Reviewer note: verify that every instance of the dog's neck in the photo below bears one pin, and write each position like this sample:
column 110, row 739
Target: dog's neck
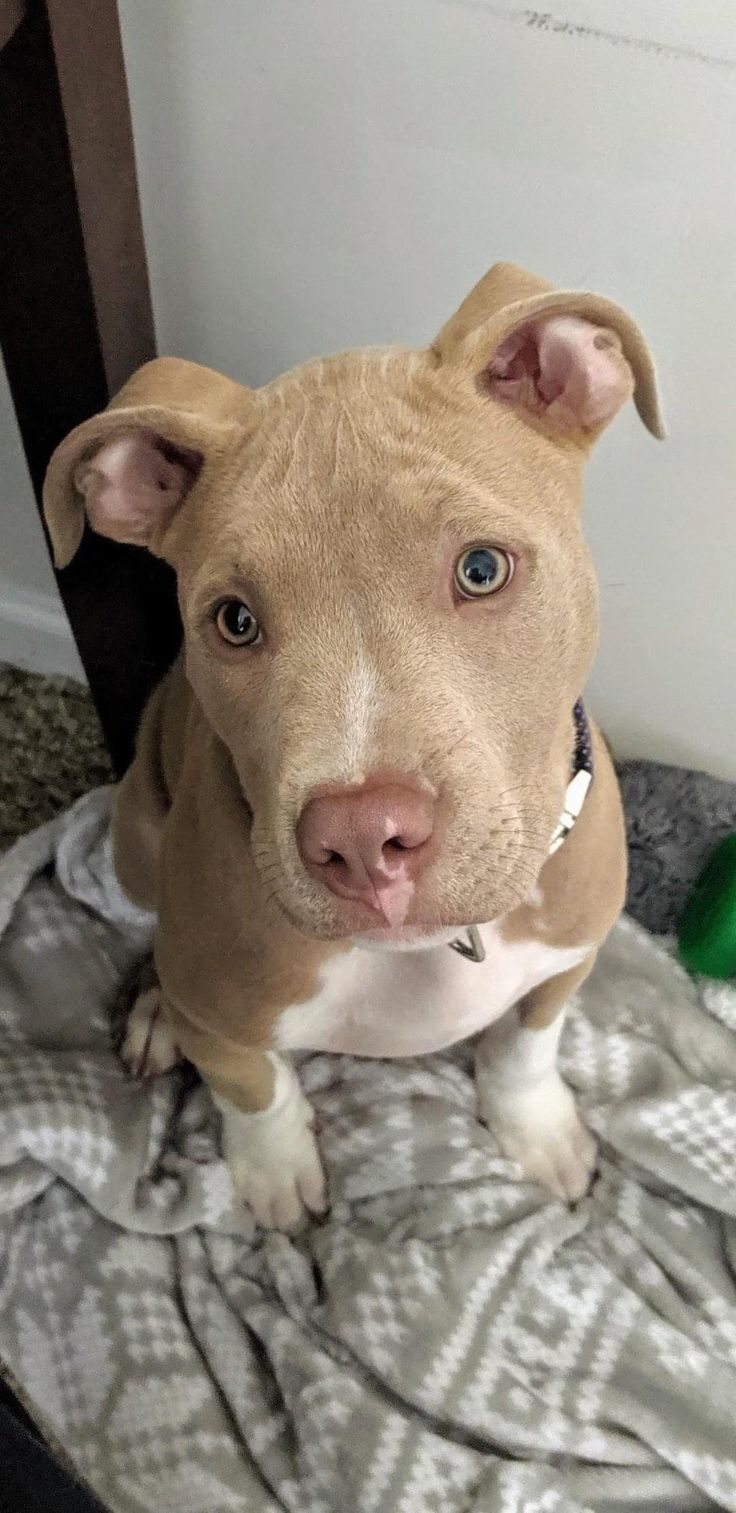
column 580, row 781
column 470, row 943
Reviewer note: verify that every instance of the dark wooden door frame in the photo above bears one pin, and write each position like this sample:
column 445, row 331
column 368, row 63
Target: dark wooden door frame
column 75, row 312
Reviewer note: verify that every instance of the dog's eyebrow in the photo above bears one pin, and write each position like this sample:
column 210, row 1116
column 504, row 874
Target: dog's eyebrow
column 492, row 523
column 229, row 577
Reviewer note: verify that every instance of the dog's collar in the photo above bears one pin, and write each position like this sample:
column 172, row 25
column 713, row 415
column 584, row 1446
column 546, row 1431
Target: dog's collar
column 582, row 777
column 471, row 945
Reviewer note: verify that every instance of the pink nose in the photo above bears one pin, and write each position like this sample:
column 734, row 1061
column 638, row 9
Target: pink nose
column 369, row 844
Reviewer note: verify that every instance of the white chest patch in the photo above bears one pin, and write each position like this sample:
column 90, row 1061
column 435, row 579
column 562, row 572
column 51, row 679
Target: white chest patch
column 409, row 1003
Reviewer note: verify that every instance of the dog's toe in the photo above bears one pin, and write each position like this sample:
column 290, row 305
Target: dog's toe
column 283, row 1196
column 563, row 1163
column 542, row 1133
column 275, row 1162
column 148, row 1047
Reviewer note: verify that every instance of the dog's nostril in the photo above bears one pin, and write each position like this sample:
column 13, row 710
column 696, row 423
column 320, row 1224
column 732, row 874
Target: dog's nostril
column 366, row 841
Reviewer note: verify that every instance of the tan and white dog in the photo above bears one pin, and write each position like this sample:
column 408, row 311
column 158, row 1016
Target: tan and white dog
column 365, row 748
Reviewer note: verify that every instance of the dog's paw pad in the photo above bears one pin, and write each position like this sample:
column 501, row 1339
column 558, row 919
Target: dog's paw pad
column 148, row 1047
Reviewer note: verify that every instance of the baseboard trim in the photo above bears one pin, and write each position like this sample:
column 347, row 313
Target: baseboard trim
column 35, row 633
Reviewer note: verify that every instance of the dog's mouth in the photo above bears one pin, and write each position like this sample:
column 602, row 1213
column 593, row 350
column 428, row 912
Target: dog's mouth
column 474, row 883
column 325, row 918
column 406, row 938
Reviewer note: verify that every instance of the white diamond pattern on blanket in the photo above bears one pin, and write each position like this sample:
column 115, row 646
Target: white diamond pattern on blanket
column 699, row 1124
column 448, row 1340
column 516, row 1501
column 157, row 1455
column 387, row 1454
column 90, row 1358
column 516, row 1494
column 153, row 1328
column 715, row 1474
column 385, row 1309
column 37, row 1368
column 721, row 1001
column 144, row 1411
column 440, row 1475
column 187, row 1488
column 674, row 1354
column 717, row 1330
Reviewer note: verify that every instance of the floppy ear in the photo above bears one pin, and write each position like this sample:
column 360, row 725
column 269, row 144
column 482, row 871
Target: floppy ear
column 130, row 468
column 564, row 360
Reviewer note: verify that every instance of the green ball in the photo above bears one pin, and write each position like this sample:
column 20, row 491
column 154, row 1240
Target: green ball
column 707, row 933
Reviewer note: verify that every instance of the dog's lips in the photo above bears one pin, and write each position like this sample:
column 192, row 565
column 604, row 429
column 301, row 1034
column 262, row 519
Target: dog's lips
column 362, row 919
column 437, row 908
column 360, row 923
column 388, row 933
column 408, row 937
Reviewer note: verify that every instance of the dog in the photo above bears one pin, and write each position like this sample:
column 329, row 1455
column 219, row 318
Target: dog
column 367, row 804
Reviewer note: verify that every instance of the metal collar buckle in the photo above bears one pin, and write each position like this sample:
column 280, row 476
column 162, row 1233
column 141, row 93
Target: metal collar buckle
column 574, row 799
column 472, row 948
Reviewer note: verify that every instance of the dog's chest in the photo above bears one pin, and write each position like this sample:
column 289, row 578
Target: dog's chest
column 409, row 1003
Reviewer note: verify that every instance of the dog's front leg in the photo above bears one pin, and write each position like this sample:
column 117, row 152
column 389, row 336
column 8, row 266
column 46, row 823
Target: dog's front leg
column 267, row 1124
column 522, row 1097
column 268, row 1140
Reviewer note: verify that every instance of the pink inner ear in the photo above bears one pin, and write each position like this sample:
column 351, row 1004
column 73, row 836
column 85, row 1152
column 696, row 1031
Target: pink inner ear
column 567, row 371
column 134, row 485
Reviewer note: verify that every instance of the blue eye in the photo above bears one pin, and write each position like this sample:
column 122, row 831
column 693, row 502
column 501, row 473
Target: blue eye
column 483, row 570
column 236, row 623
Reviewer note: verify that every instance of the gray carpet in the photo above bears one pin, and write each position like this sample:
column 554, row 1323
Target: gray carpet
column 674, row 817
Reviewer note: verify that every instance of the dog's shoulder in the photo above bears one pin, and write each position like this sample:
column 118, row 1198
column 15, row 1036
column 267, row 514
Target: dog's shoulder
column 146, row 792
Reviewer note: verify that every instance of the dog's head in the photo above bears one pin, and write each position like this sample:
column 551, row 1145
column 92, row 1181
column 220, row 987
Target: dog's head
column 389, row 610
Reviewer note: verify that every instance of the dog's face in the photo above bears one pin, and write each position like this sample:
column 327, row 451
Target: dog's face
column 388, row 607
column 344, row 544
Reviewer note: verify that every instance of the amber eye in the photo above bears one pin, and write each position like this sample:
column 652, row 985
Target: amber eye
column 483, row 570
column 236, row 623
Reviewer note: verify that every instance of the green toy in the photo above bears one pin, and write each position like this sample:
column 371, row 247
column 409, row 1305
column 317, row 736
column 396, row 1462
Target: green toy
column 707, row 933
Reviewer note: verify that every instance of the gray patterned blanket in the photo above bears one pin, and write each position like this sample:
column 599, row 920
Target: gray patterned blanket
column 448, row 1341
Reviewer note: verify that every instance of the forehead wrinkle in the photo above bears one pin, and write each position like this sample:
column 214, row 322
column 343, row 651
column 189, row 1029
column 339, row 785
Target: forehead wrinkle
column 449, row 496
column 346, row 431
column 298, row 381
column 367, row 369
column 293, row 445
column 267, row 461
column 332, row 416
column 342, row 373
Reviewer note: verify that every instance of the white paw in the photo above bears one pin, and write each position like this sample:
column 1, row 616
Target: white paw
column 274, row 1158
column 540, row 1129
column 149, row 1048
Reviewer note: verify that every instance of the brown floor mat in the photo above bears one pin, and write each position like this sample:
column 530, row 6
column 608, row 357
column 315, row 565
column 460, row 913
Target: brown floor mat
column 51, row 749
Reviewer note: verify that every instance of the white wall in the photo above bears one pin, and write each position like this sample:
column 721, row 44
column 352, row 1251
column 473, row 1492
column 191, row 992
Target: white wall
column 323, row 173
column 34, row 631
